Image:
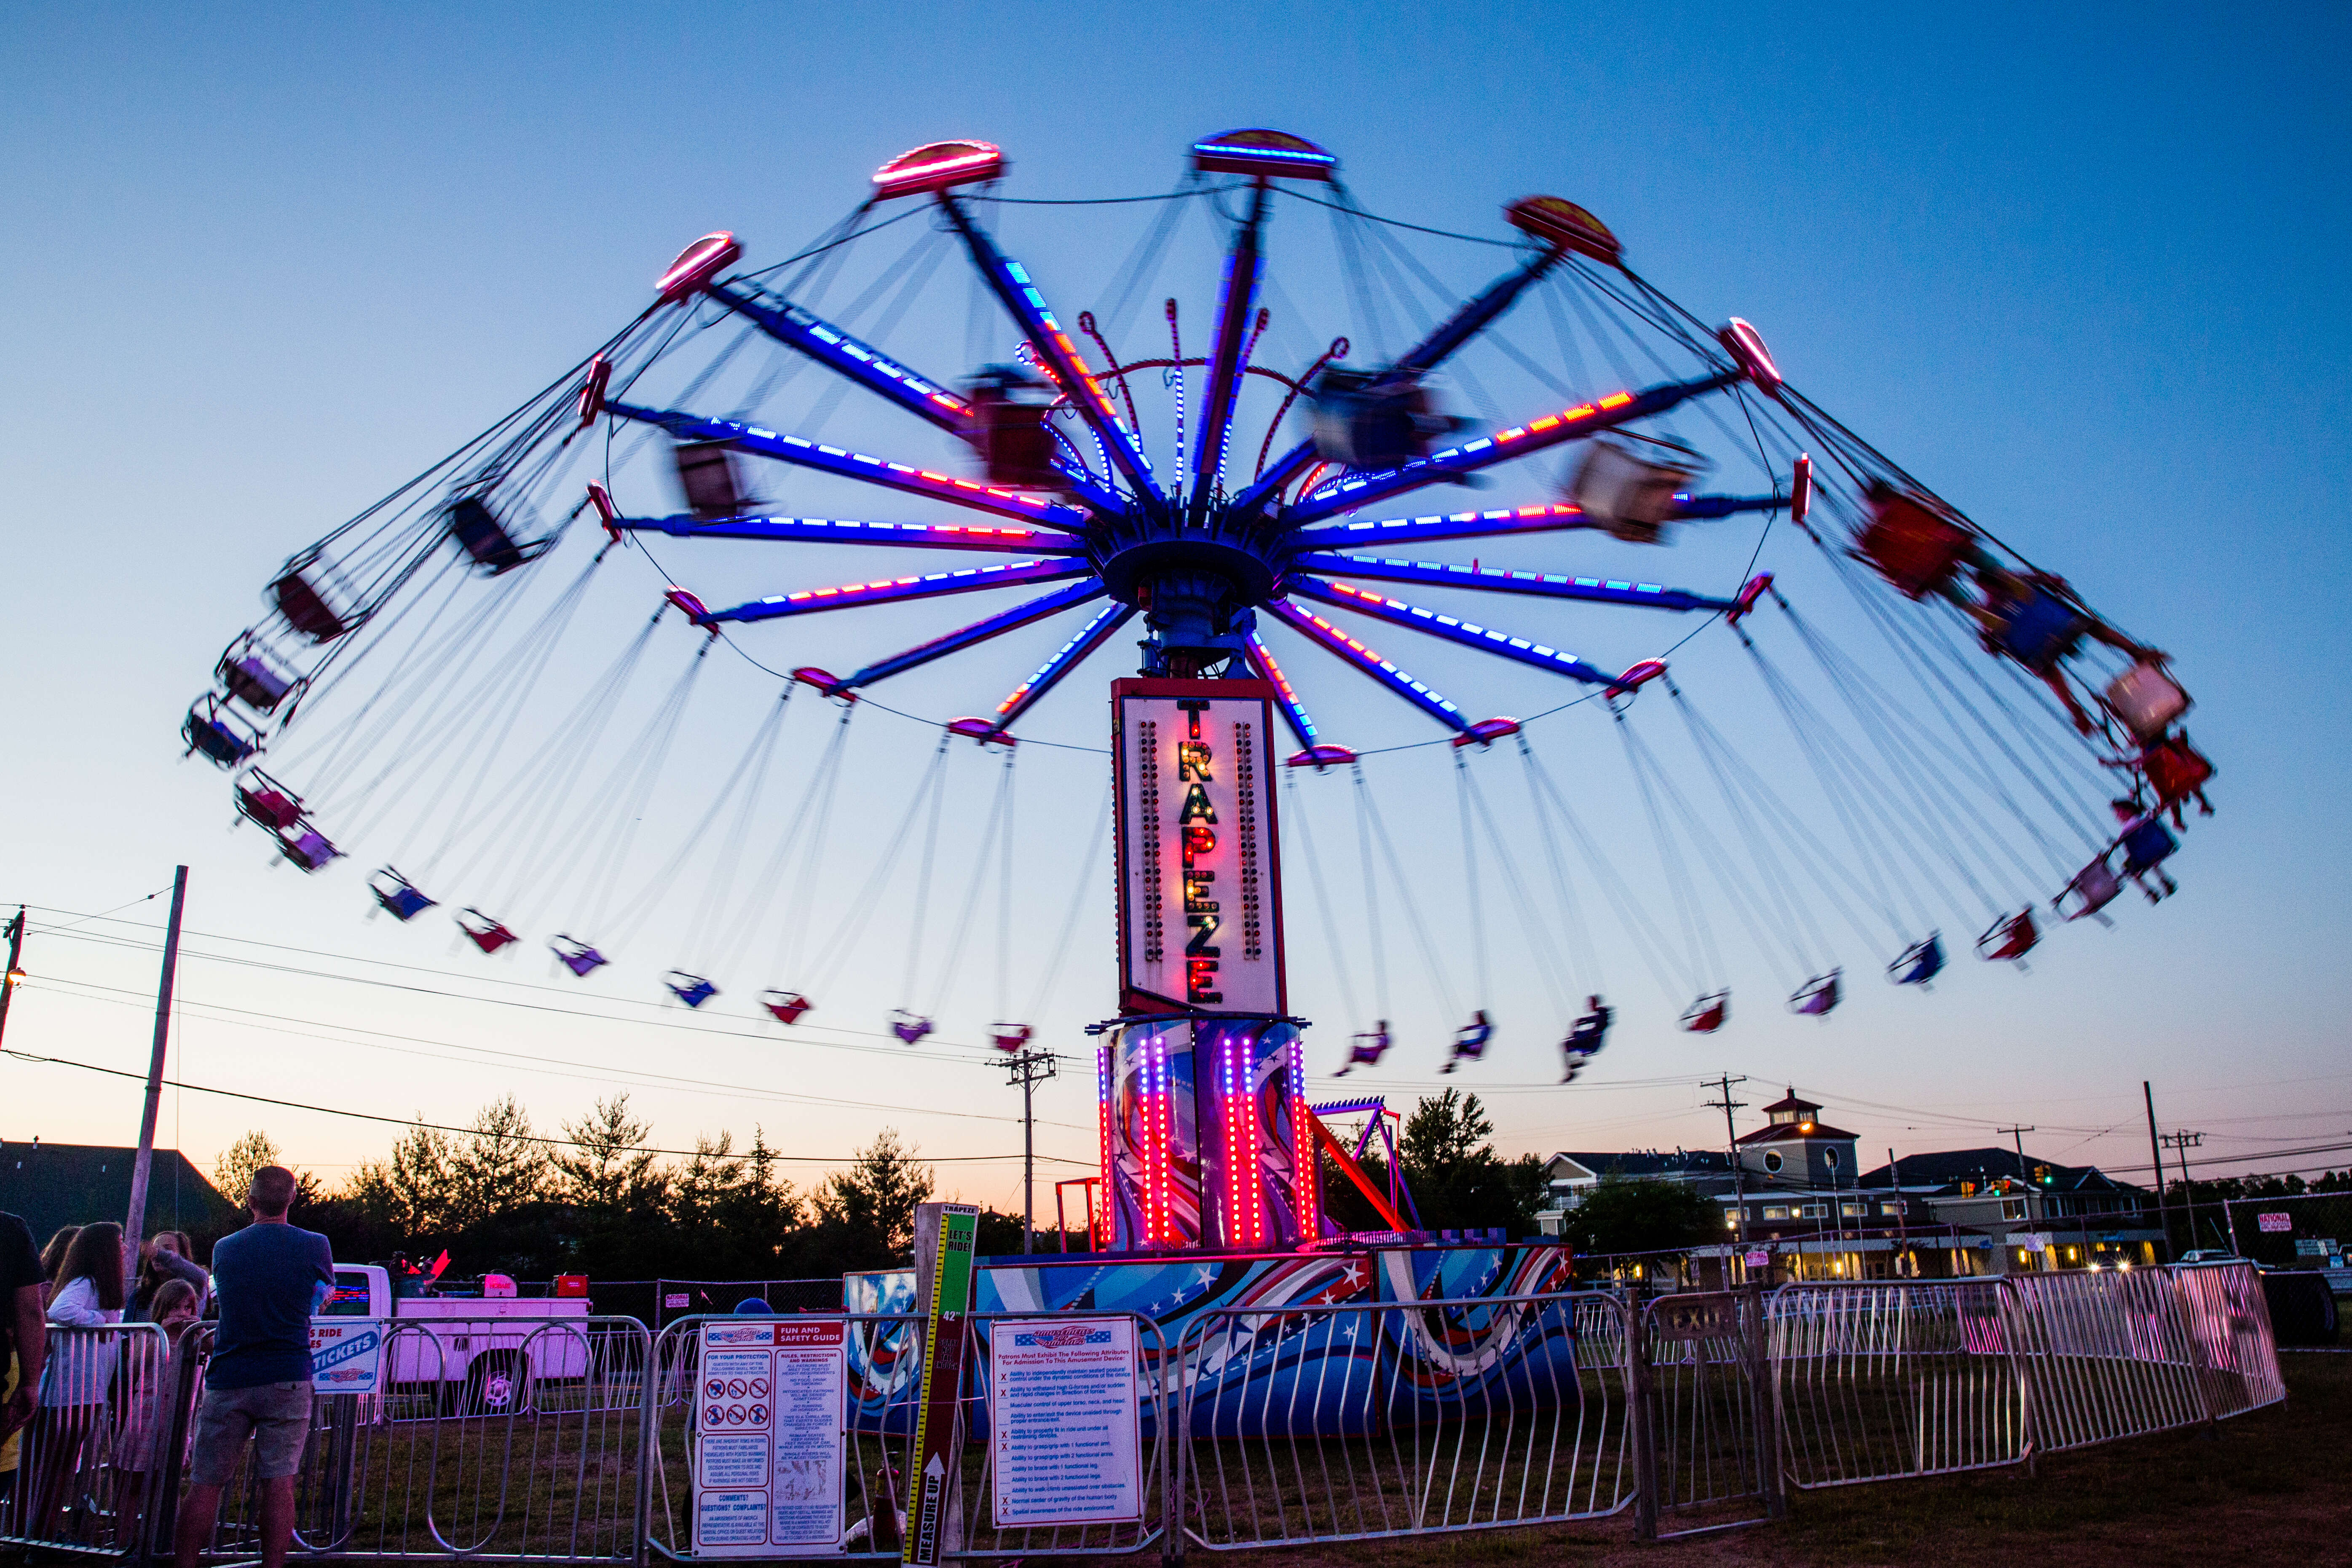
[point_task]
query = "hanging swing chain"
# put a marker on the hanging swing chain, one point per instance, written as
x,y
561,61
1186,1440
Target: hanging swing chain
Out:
x,y
995,836
1480,959
1323,907
1698,939
835,953
1656,949
1371,897
1579,937
1412,910
923,876
1547,962
816,805
1037,1008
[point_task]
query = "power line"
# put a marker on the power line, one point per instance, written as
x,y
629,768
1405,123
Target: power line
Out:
x,y
519,1138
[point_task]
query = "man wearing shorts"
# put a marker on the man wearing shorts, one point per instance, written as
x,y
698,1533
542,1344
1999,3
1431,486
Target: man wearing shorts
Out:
x,y
270,1278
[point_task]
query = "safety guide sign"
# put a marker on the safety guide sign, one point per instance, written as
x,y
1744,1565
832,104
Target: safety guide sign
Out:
x,y
1066,1424
767,1438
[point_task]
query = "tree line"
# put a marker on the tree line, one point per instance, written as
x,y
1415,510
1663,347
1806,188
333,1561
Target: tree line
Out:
x,y
502,1198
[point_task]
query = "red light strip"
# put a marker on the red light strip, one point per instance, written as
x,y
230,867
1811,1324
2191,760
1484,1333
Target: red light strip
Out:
x,y
1307,1191
1103,1112
1245,1202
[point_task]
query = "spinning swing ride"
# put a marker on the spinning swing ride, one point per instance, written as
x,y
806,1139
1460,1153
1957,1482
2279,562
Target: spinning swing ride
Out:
x,y
2027,723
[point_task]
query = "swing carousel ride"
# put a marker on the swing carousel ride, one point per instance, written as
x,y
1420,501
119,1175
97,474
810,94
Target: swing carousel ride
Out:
x,y
1993,755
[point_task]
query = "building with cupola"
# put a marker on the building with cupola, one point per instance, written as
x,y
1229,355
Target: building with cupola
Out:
x,y
1797,1204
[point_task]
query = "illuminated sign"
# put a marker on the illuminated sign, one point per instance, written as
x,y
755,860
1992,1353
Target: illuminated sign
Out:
x,y
1200,896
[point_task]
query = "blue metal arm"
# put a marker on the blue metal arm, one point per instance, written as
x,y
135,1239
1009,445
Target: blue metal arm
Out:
x,y
1569,425
1496,579
1448,335
842,530
862,362
897,590
1453,629
1068,658
1323,635
1294,712
1019,615
1226,358
1724,506
1355,533
808,454
1013,287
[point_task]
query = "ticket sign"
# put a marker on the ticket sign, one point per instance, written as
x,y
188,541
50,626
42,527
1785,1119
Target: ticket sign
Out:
x,y
346,1354
1065,1427
1200,890
768,1479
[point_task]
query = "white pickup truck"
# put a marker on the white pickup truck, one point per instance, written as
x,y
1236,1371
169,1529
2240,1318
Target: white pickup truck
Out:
x,y
466,1354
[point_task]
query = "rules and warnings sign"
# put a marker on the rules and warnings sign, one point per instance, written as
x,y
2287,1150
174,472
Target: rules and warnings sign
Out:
x,y
1065,1422
768,1477
1200,894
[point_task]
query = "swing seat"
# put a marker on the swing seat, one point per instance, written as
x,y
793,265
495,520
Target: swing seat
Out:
x,y
484,933
1918,963
254,679
1009,408
1633,494
1319,757
578,956
2146,844
216,732
397,894
492,545
2176,770
705,472
910,1027
262,799
787,1006
1470,1040
2146,701
1708,1014
1588,1034
691,989
1365,1051
2010,937
1011,1037
1369,427
1818,996
309,849
306,607
2039,629
1910,546
2095,887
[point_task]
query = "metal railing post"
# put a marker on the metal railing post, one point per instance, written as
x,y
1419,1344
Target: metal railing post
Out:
x,y
1642,1416
649,1378
1765,1386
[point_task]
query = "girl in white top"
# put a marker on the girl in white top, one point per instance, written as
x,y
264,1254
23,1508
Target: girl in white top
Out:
x,y
79,1376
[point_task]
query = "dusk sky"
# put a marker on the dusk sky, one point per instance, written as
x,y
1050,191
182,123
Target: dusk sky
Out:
x,y
2079,269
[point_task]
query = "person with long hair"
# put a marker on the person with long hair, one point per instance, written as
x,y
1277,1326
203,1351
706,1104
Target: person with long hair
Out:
x,y
53,1257
169,1254
86,1297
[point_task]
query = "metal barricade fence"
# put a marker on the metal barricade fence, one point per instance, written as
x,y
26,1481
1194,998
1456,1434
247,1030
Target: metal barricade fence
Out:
x,y
884,1380
487,1438
2229,1320
1703,1436
85,1464
1310,1423
1876,1382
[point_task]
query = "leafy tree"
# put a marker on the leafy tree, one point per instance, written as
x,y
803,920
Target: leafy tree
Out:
x,y
1457,1180
412,1193
233,1170
499,1168
874,1199
1619,1215
608,1170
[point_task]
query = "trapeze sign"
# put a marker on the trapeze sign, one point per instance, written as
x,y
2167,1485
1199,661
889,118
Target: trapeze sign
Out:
x,y
1200,892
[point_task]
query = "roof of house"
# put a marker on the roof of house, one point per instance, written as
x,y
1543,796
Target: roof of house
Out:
x,y
1791,1101
1950,1167
58,1184
1796,1132
1648,1162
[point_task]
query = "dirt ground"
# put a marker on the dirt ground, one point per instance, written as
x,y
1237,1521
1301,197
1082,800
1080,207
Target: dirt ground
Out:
x,y
2274,1488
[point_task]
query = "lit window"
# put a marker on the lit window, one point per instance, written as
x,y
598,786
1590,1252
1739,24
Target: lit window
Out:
x,y
1731,1216
1776,1211
1856,1209
1890,1208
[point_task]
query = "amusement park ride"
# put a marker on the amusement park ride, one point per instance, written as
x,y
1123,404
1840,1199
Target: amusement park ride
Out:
x,y
2040,719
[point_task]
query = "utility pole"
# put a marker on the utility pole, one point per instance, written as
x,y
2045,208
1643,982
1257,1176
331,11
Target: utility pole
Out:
x,y
1722,1086
137,1226
2017,1136
1028,1069
2155,1153
16,971
2180,1143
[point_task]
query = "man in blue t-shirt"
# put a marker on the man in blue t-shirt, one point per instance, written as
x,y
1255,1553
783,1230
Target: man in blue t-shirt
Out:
x,y
270,1278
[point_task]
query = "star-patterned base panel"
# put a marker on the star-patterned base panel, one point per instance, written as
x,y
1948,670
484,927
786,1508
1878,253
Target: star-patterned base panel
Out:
x,y
1233,1333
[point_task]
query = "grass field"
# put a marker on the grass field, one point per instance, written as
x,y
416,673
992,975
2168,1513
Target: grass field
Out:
x,y
2273,1487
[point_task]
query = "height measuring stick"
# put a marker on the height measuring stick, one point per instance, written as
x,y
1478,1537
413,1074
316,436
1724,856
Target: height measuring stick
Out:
x,y
944,1235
